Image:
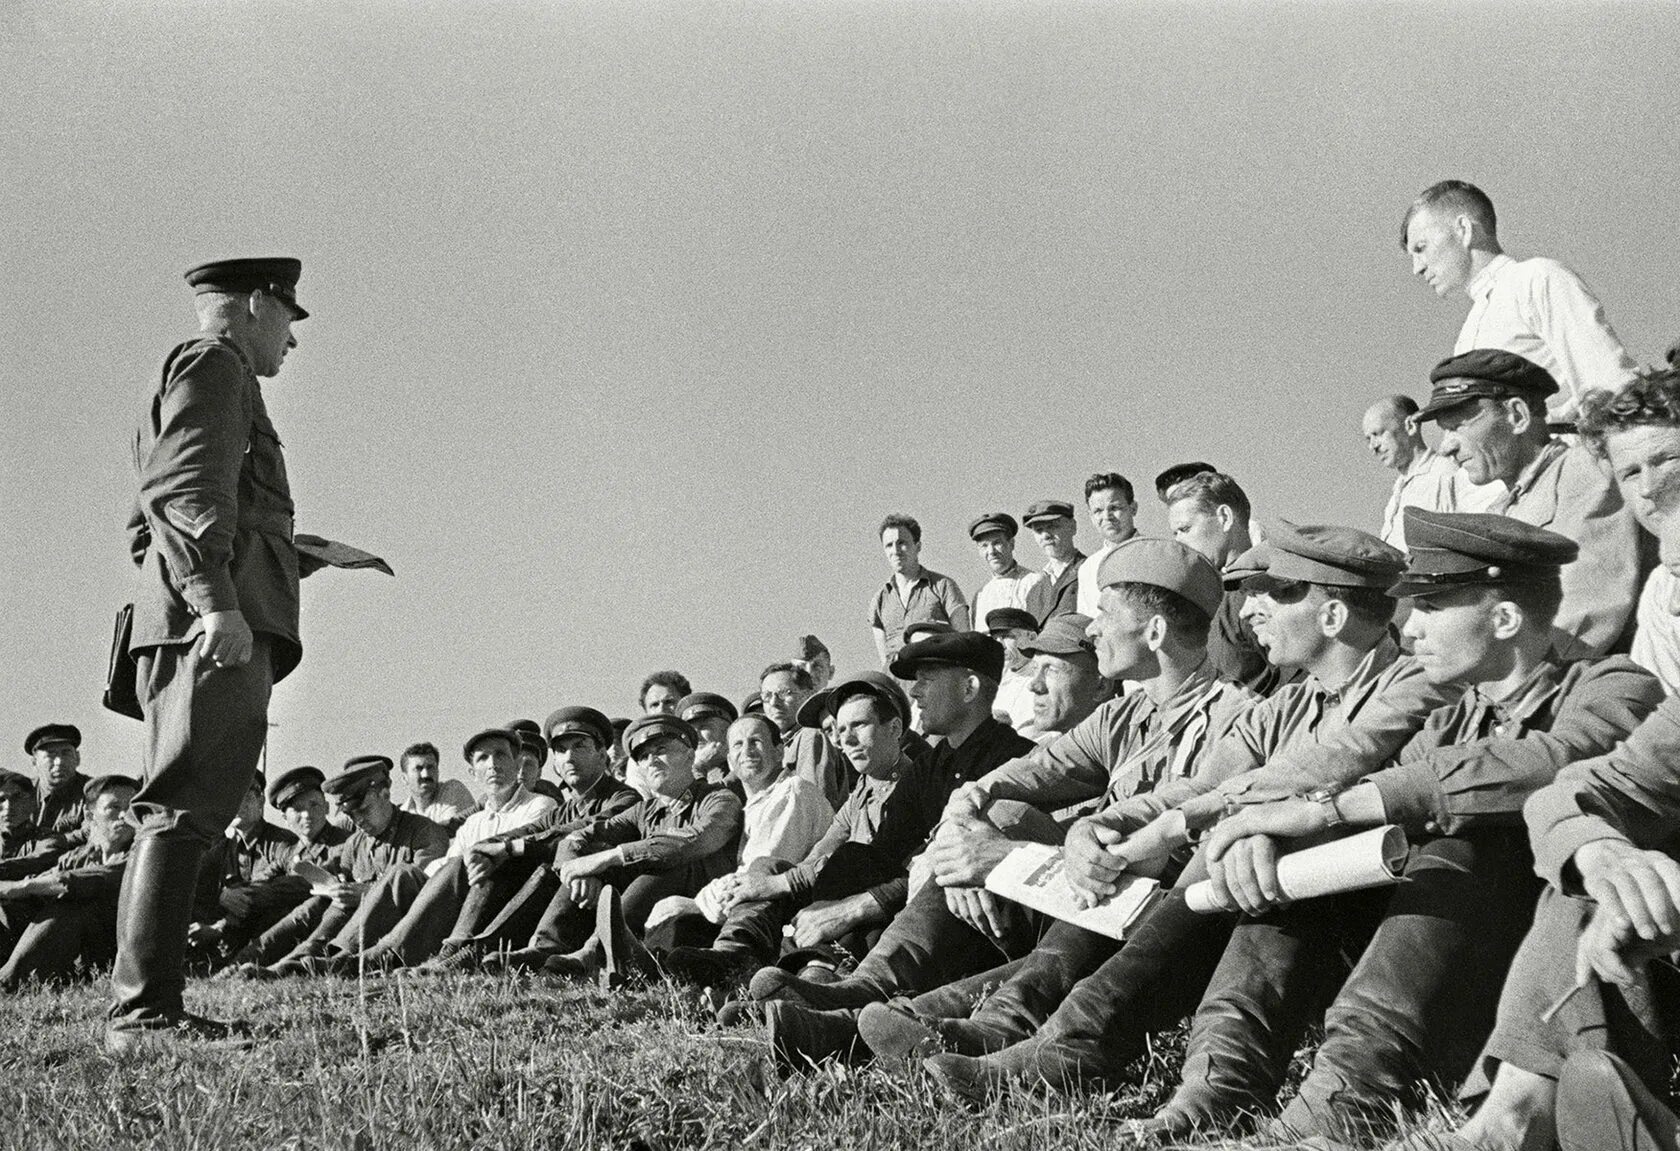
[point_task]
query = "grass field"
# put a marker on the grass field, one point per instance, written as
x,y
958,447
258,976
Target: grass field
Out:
x,y
487,1062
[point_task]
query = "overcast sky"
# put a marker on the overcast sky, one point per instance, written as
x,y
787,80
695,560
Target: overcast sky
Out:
x,y
631,320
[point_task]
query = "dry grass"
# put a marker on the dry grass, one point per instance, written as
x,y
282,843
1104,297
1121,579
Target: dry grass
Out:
x,y
489,1063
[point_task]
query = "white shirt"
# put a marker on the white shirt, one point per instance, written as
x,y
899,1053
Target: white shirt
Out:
x,y
1020,587
1085,603
1544,312
785,820
1015,698
452,802
522,807
1435,483
1656,636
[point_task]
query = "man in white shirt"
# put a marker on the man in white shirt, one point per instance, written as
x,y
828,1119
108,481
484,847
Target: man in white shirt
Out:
x,y
1427,479
1113,509
1537,308
1011,584
446,802
508,803
1014,628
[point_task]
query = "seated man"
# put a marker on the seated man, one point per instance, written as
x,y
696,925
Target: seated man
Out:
x,y
239,894
1209,511
671,843
710,715
1012,627
782,688
17,816
486,840
388,846
1428,955
60,809
1063,678
446,802
532,754
67,915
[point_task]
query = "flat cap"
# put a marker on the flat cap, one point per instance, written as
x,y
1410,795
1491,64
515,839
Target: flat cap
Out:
x,y
288,785
1332,556
16,781
530,736
978,653
700,704
1245,567
993,522
752,701
1047,510
922,628
811,712
359,773
100,784
656,725
276,275
873,683
1061,635
565,721
1461,549
1010,619
1164,564
512,738
1484,372
52,733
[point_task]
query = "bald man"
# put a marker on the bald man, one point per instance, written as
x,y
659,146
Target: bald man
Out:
x,y
1427,479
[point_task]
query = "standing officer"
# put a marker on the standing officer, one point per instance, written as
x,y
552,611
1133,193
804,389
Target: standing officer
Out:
x,y
215,619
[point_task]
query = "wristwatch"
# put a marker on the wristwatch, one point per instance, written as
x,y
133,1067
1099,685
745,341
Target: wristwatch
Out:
x,y
1325,797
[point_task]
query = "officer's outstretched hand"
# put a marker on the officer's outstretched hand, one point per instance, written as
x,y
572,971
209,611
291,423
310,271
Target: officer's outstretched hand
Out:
x,y
227,638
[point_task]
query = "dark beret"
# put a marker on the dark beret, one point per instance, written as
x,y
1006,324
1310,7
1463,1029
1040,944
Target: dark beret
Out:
x,y
1484,372
1164,564
359,772
100,784
1458,549
1061,635
993,522
289,785
980,654
580,721
873,683
277,275
1010,619
1047,510
52,733
699,704
512,738
656,724
1332,556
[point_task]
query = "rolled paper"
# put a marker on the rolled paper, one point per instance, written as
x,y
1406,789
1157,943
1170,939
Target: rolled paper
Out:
x,y
1357,862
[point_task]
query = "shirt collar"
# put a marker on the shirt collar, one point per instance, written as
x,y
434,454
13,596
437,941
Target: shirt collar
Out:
x,y
519,796
1421,462
1190,696
1527,477
1529,696
1376,661
1482,283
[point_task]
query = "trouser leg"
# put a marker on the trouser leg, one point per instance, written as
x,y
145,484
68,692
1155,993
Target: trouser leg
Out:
x,y
205,727
481,902
522,915
1421,999
372,919
756,927
422,925
926,946
59,937
293,929
1064,956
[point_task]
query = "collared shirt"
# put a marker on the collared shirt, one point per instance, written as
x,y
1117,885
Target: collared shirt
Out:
x,y
1129,745
1085,597
258,854
784,821
662,833
523,807
1566,491
450,805
1631,794
606,797
1015,698
932,597
59,814
90,871
1434,483
1061,590
1307,735
1018,587
857,821
1656,638
1477,760
323,847
1544,312
407,839
807,753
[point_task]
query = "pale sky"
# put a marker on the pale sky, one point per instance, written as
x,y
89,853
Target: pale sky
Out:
x,y
630,321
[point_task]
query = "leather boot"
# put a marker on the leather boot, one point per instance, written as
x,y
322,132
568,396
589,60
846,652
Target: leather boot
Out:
x,y
154,911
623,955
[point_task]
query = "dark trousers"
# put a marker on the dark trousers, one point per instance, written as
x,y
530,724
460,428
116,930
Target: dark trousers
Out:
x,y
1424,963
926,946
62,934
1631,1022
319,927
205,727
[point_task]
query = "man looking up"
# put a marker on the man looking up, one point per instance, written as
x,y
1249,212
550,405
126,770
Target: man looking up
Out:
x,y
1210,513
1491,408
1426,478
662,691
1051,523
1011,585
1535,308
446,802
912,592
1108,498
59,804
783,688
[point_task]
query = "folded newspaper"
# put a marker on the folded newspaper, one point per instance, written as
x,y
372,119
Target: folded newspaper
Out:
x,y
331,553
321,881
1033,876
1369,859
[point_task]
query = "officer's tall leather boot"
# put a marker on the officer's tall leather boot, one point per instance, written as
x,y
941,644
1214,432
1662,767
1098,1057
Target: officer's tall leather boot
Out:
x,y
153,914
